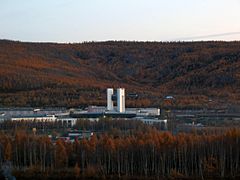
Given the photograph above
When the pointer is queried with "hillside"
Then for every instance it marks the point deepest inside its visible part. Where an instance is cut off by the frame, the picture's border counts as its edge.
(48, 74)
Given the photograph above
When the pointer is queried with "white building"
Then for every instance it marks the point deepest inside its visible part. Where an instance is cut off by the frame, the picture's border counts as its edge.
(121, 100)
(43, 118)
(109, 99)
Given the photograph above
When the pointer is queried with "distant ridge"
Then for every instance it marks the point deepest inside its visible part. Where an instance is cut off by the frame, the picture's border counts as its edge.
(198, 74)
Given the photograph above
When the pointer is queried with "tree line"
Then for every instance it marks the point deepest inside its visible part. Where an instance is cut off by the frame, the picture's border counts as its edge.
(146, 154)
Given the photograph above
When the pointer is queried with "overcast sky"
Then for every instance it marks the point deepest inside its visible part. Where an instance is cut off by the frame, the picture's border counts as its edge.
(100, 20)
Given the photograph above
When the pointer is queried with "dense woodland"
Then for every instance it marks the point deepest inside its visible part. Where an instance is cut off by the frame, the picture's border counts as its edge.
(127, 149)
(197, 74)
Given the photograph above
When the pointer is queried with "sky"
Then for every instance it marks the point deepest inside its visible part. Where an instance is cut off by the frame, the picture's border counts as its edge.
(131, 20)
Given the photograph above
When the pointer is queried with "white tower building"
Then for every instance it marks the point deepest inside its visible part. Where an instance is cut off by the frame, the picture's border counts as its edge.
(121, 100)
(109, 99)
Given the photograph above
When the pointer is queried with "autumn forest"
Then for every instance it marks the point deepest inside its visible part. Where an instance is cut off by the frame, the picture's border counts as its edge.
(70, 75)
(126, 149)
(198, 75)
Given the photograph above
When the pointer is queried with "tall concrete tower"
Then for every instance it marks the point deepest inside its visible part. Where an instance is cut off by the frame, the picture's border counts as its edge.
(109, 99)
(121, 100)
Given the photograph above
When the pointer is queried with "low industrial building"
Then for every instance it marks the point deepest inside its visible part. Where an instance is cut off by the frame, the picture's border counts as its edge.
(36, 117)
(67, 121)
(74, 135)
(69, 117)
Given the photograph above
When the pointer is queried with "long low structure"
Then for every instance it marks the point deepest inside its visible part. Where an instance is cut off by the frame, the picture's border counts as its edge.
(68, 121)
(102, 114)
(44, 118)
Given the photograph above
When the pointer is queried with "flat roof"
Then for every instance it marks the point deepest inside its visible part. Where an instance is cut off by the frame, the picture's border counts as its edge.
(32, 116)
(103, 114)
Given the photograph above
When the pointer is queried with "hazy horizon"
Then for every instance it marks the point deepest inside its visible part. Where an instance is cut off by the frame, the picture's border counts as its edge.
(72, 21)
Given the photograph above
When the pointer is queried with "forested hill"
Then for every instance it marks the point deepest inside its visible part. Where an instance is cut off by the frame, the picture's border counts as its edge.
(49, 74)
